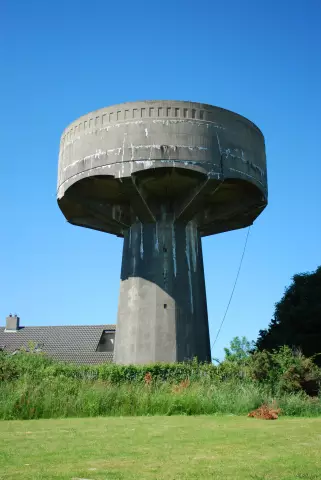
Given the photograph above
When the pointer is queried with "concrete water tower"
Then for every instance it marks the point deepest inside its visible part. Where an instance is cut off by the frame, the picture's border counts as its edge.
(162, 175)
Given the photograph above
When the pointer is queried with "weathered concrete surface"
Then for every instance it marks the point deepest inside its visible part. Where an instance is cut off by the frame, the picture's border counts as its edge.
(170, 148)
(159, 165)
(162, 313)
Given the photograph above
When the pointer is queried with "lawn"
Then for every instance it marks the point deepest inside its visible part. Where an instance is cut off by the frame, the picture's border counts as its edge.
(178, 447)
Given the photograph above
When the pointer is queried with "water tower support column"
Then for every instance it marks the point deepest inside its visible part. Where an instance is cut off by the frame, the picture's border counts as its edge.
(162, 314)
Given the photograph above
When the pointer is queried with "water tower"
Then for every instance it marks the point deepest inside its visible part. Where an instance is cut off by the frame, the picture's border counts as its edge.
(162, 175)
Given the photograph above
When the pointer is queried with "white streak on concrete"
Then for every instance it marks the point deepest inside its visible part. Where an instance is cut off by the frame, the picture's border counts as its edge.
(132, 158)
(146, 132)
(246, 175)
(97, 154)
(188, 253)
(122, 155)
(134, 265)
(197, 123)
(146, 163)
(148, 146)
(212, 173)
(133, 296)
(141, 241)
(120, 150)
(240, 171)
(256, 167)
(171, 147)
(192, 235)
(123, 147)
(156, 238)
(233, 153)
(174, 249)
(134, 248)
(219, 143)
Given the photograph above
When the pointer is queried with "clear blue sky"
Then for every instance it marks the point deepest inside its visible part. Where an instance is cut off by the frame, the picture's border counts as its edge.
(61, 59)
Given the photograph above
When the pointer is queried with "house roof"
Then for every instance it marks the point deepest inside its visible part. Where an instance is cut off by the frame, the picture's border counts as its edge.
(72, 343)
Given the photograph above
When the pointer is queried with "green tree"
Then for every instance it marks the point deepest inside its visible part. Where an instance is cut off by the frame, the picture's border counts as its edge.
(239, 350)
(297, 318)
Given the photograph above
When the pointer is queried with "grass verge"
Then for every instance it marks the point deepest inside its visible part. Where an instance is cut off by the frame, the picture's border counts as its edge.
(171, 448)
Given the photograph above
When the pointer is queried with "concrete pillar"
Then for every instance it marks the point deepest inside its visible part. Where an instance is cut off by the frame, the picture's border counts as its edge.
(162, 315)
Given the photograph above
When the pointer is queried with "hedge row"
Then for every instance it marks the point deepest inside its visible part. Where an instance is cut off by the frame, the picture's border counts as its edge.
(282, 370)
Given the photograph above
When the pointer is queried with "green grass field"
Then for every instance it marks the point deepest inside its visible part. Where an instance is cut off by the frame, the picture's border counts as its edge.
(178, 447)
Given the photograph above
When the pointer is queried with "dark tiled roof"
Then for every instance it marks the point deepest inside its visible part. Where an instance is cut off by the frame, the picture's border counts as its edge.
(72, 343)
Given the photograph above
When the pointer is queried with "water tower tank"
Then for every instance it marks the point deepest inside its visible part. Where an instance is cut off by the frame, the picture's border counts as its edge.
(162, 174)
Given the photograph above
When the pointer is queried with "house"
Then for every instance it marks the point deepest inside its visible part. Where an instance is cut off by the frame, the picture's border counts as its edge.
(81, 344)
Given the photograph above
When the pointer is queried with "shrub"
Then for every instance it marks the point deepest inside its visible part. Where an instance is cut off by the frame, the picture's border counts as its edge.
(286, 371)
(8, 370)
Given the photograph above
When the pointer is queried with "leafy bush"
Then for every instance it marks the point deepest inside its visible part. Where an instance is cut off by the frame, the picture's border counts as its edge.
(8, 370)
(286, 370)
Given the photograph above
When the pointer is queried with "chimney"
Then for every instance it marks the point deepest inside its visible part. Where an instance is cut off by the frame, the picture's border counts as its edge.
(12, 323)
